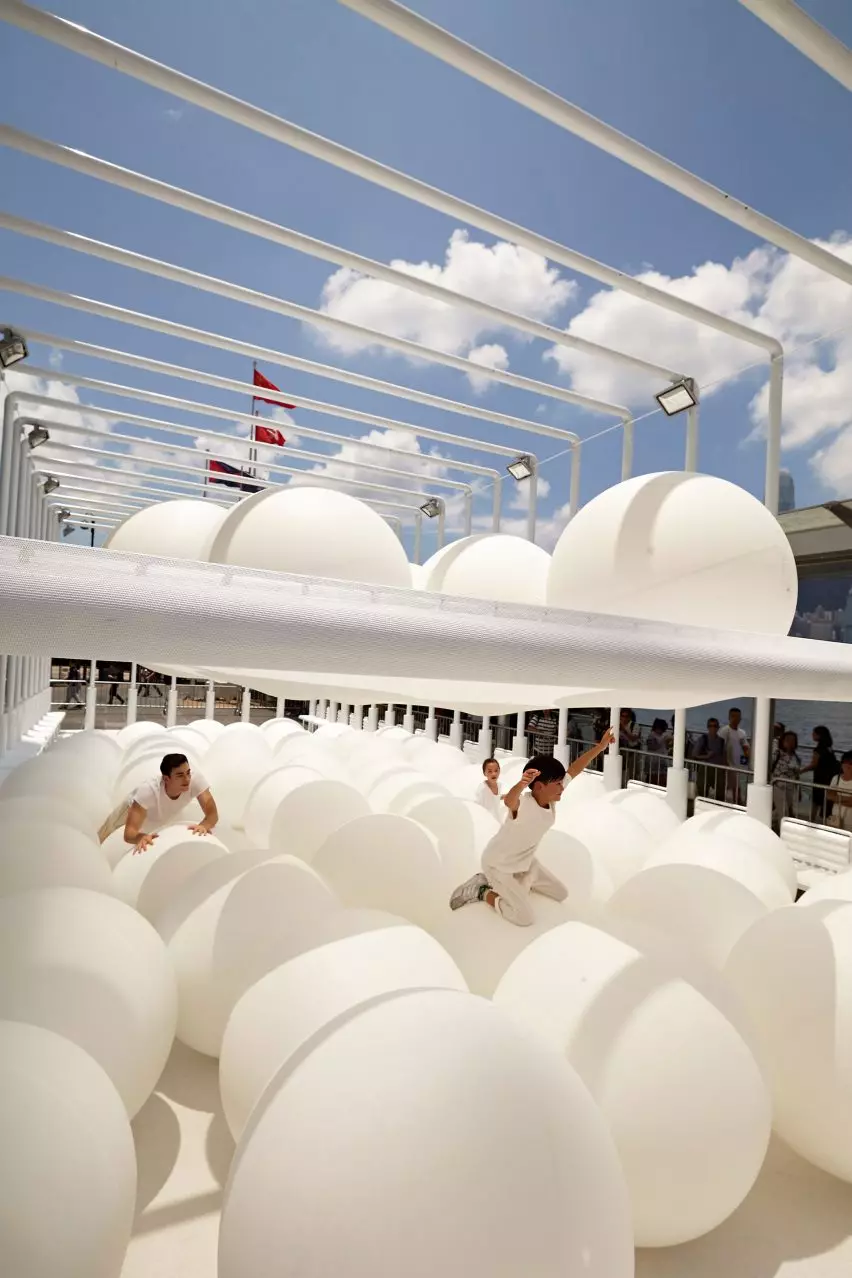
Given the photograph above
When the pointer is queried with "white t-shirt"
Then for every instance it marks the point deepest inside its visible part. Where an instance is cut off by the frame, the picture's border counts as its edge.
(512, 849)
(841, 810)
(160, 810)
(492, 802)
(735, 740)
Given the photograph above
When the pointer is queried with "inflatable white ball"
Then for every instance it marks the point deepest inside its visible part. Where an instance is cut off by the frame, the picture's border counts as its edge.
(179, 529)
(89, 967)
(135, 732)
(830, 887)
(294, 811)
(40, 853)
(58, 811)
(279, 729)
(610, 833)
(589, 785)
(677, 1085)
(583, 871)
(793, 972)
(209, 728)
(285, 1009)
(403, 789)
(189, 742)
(148, 880)
(385, 862)
(639, 549)
(316, 532)
(650, 810)
(492, 566)
(745, 829)
(97, 748)
(390, 1091)
(462, 829)
(236, 936)
(706, 910)
(49, 778)
(716, 850)
(485, 945)
(68, 1171)
(201, 885)
(233, 765)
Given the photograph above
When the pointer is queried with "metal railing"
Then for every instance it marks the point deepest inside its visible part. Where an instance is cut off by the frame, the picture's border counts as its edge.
(112, 695)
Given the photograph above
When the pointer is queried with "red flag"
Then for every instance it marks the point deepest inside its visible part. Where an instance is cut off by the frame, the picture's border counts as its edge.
(218, 469)
(268, 435)
(260, 380)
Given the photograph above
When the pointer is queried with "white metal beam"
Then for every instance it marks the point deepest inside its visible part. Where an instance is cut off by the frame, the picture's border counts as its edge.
(801, 30)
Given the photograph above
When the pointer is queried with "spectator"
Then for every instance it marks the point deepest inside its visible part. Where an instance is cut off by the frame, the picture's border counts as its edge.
(629, 737)
(784, 773)
(658, 744)
(543, 727)
(75, 680)
(825, 768)
(711, 751)
(113, 674)
(737, 751)
(841, 794)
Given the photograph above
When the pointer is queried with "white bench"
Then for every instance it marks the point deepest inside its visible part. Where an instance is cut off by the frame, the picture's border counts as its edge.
(816, 849)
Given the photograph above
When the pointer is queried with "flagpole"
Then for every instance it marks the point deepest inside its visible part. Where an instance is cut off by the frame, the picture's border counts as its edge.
(253, 450)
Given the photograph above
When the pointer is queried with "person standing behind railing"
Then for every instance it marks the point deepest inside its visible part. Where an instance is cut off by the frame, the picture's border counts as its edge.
(825, 768)
(711, 752)
(544, 727)
(658, 746)
(737, 752)
(75, 683)
(784, 773)
(841, 794)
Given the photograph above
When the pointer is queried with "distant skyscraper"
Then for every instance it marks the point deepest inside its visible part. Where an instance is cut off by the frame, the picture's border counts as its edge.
(786, 492)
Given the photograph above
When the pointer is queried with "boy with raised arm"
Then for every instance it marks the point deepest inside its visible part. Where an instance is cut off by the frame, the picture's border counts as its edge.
(510, 868)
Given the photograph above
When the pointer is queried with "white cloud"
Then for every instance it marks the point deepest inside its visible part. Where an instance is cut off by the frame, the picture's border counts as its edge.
(502, 274)
(488, 356)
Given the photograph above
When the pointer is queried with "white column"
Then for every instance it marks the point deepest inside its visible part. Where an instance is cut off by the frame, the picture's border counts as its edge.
(613, 762)
(210, 700)
(519, 742)
(759, 792)
(91, 697)
(171, 704)
(388, 720)
(485, 737)
(408, 719)
(331, 712)
(456, 730)
(356, 719)
(245, 708)
(677, 780)
(431, 724)
(280, 708)
(132, 695)
(561, 749)
(372, 719)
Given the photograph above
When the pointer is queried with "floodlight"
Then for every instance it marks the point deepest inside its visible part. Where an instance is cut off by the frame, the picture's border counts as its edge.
(38, 435)
(50, 485)
(13, 348)
(432, 507)
(676, 399)
(521, 467)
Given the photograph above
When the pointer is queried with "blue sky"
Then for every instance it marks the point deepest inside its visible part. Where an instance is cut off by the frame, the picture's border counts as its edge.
(700, 80)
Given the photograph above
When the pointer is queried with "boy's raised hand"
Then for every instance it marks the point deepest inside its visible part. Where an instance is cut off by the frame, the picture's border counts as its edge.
(530, 775)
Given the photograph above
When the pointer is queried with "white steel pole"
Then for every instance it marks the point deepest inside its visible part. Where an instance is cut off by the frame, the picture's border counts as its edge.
(171, 704)
(132, 695)
(799, 29)
(210, 700)
(91, 697)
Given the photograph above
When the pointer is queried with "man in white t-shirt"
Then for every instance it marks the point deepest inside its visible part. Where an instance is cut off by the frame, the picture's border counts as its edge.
(737, 751)
(510, 867)
(158, 802)
(840, 794)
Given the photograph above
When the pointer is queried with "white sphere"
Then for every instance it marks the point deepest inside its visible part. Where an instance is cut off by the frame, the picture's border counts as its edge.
(392, 1089)
(485, 945)
(492, 566)
(233, 766)
(706, 910)
(793, 972)
(463, 782)
(291, 748)
(99, 747)
(650, 810)
(56, 777)
(209, 728)
(385, 862)
(640, 549)
(68, 1174)
(403, 790)
(148, 880)
(134, 732)
(179, 529)
(39, 853)
(152, 745)
(238, 935)
(586, 787)
(745, 829)
(831, 887)
(462, 829)
(295, 811)
(610, 833)
(87, 966)
(717, 851)
(583, 871)
(285, 1009)
(316, 532)
(677, 1085)
(278, 729)
(192, 743)
(201, 885)
(27, 807)
(441, 761)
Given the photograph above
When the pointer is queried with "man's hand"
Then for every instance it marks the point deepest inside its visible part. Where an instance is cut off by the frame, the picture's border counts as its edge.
(143, 843)
(531, 774)
(201, 828)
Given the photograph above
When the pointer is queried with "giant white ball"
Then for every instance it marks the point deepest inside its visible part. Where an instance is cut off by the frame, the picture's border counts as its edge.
(492, 566)
(148, 880)
(316, 532)
(610, 833)
(27, 807)
(391, 1121)
(38, 853)
(793, 972)
(650, 810)
(238, 935)
(716, 850)
(89, 967)
(676, 1083)
(287, 1007)
(233, 765)
(485, 945)
(50, 778)
(745, 829)
(462, 829)
(294, 810)
(180, 529)
(68, 1171)
(641, 549)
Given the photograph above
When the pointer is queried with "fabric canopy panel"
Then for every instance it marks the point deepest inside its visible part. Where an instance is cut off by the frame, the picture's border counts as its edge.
(207, 614)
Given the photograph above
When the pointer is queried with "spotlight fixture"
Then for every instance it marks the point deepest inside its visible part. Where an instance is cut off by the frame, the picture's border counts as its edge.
(38, 435)
(50, 485)
(63, 514)
(13, 348)
(521, 467)
(68, 529)
(676, 399)
(432, 507)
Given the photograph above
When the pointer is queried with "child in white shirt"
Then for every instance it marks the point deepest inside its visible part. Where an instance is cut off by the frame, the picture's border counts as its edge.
(488, 790)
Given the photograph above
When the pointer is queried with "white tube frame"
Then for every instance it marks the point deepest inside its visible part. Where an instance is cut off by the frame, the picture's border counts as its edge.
(799, 29)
